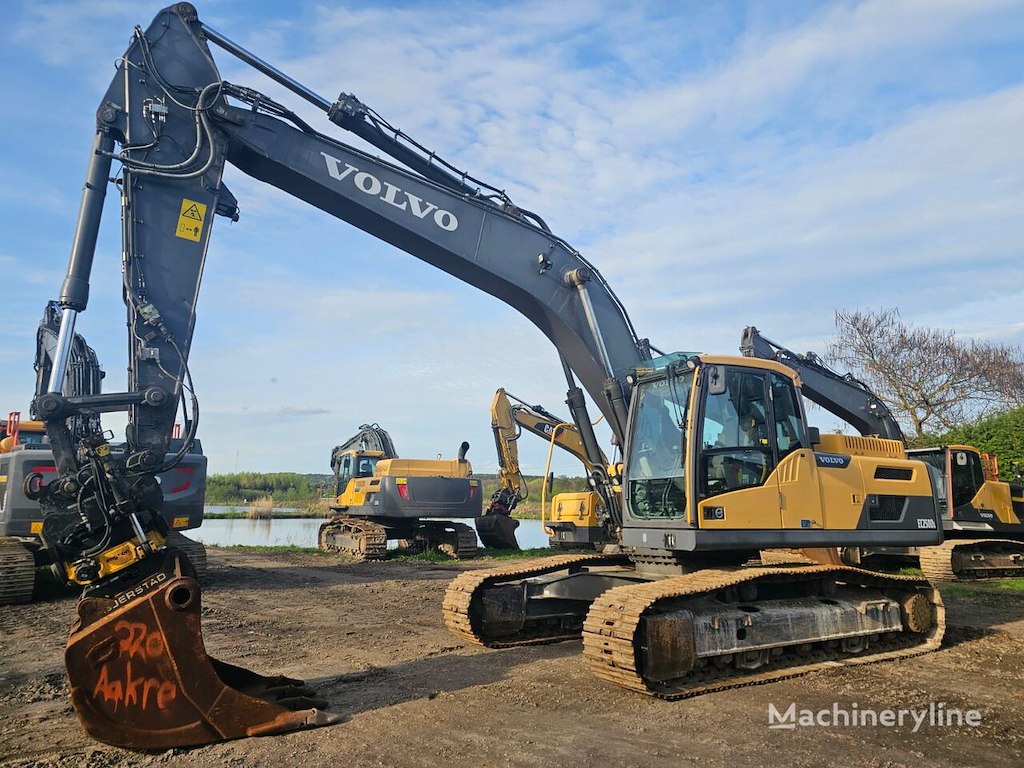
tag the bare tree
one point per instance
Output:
(931, 380)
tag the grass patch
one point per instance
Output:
(269, 548)
(997, 588)
(261, 509)
(909, 571)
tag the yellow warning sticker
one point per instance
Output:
(190, 220)
(180, 522)
(36, 526)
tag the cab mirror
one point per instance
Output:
(716, 379)
(814, 435)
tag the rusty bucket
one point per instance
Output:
(141, 679)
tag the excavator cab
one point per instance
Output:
(355, 464)
(720, 457)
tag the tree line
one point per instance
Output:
(246, 487)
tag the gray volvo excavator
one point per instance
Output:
(719, 461)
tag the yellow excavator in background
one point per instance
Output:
(379, 496)
(982, 516)
(983, 520)
(578, 519)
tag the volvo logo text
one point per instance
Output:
(837, 460)
(369, 184)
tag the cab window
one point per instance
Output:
(787, 421)
(655, 472)
(736, 439)
(344, 473)
(967, 476)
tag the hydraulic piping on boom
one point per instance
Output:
(718, 459)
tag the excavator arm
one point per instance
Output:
(511, 483)
(370, 437)
(508, 419)
(172, 124)
(840, 394)
(590, 522)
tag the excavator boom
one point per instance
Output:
(172, 124)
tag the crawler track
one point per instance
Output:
(971, 559)
(17, 572)
(362, 539)
(459, 602)
(612, 637)
(194, 550)
(456, 540)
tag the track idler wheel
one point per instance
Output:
(141, 679)
(916, 613)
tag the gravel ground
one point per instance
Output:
(370, 637)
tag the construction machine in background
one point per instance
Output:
(719, 461)
(27, 463)
(982, 516)
(379, 496)
(983, 520)
(578, 518)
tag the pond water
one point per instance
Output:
(302, 532)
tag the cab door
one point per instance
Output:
(797, 470)
(736, 483)
(344, 474)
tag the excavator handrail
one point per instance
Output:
(547, 474)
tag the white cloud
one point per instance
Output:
(719, 170)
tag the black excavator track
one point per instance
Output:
(368, 540)
(972, 559)
(461, 606)
(194, 550)
(800, 618)
(641, 636)
(17, 571)
(457, 540)
(361, 539)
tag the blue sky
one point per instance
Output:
(723, 164)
